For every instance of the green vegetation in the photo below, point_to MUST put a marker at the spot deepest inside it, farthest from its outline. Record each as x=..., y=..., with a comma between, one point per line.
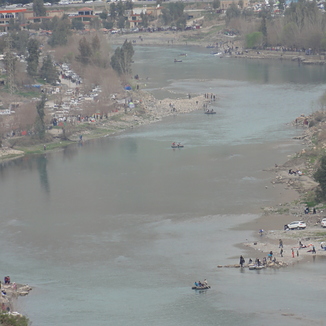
x=173, y=12
x=9, y=320
x=33, y=56
x=254, y=40
x=60, y=32
x=39, y=123
x=38, y=8
x=320, y=177
x=48, y=71
x=122, y=58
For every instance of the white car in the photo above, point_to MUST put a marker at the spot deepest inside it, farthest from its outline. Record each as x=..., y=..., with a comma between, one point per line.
x=323, y=223
x=297, y=225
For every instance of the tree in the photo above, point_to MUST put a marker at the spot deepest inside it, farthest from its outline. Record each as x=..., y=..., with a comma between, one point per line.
x=38, y=8
x=77, y=24
x=232, y=12
x=120, y=8
x=144, y=19
x=107, y=24
x=122, y=58
x=129, y=5
x=173, y=12
x=33, y=57
x=181, y=23
x=95, y=23
x=96, y=44
x=20, y=41
x=263, y=29
x=60, y=32
x=9, y=56
x=39, y=123
x=320, y=177
x=121, y=22
x=48, y=72
x=13, y=26
x=113, y=11
x=103, y=15
x=85, y=51
x=216, y=4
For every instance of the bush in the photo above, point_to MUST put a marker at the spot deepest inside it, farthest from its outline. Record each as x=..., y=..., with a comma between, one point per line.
x=9, y=320
x=254, y=39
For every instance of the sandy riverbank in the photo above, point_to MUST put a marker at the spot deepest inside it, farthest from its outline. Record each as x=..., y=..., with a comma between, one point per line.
x=273, y=219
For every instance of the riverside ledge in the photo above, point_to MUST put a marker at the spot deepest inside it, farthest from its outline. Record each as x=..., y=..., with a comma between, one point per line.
x=9, y=295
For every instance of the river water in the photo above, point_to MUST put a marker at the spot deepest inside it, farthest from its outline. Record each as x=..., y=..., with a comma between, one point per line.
x=116, y=231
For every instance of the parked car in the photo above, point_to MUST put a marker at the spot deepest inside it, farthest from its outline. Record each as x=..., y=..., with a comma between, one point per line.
x=297, y=225
x=323, y=223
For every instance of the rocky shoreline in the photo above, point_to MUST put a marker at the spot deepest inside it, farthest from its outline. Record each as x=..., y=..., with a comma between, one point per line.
x=9, y=295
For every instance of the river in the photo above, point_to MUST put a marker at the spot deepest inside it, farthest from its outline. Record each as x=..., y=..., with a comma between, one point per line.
x=116, y=231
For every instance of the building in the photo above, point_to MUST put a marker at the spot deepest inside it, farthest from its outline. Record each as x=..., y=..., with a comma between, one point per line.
x=17, y=14
x=29, y=16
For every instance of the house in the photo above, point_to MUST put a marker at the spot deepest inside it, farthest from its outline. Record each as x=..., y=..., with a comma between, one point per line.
x=17, y=14
x=29, y=16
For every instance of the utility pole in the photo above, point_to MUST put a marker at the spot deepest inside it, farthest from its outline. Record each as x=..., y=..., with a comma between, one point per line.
x=10, y=66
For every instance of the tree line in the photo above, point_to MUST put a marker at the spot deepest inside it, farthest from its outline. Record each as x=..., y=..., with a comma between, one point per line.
x=301, y=26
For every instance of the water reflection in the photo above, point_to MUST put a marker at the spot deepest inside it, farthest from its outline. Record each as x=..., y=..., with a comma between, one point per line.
x=70, y=152
x=42, y=170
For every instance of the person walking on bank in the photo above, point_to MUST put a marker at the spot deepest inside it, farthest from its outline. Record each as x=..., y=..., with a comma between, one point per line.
x=280, y=243
x=242, y=261
x=281, y=252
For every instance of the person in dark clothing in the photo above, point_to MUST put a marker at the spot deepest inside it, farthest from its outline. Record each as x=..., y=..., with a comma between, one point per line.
x=242, y=261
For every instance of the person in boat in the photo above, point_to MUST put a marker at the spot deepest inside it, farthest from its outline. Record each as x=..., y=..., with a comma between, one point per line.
x=200, y=284
x=212, y=111
x=179, y=144
x=205, y=282
x=173, y=144
x=250, y=261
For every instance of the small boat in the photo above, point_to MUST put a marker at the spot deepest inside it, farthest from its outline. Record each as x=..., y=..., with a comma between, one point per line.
x=175, y=60
x=218, y=54
x=255, y=267
x=182, y=54
x=210, y=112
x=177, y=146
x=206, y=287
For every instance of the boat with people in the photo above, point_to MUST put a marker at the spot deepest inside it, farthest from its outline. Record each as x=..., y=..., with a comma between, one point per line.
x=175, y=60
x=201, y=286
x=176, y=145
x=255, y=267
x=182, y=54
x=210, y=112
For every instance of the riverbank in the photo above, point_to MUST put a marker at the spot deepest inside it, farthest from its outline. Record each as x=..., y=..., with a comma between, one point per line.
x=215, y=41
x=274, y=218
x=147, y=110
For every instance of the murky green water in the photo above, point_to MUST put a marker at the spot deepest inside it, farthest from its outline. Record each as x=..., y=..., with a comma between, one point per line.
x=115, y=232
